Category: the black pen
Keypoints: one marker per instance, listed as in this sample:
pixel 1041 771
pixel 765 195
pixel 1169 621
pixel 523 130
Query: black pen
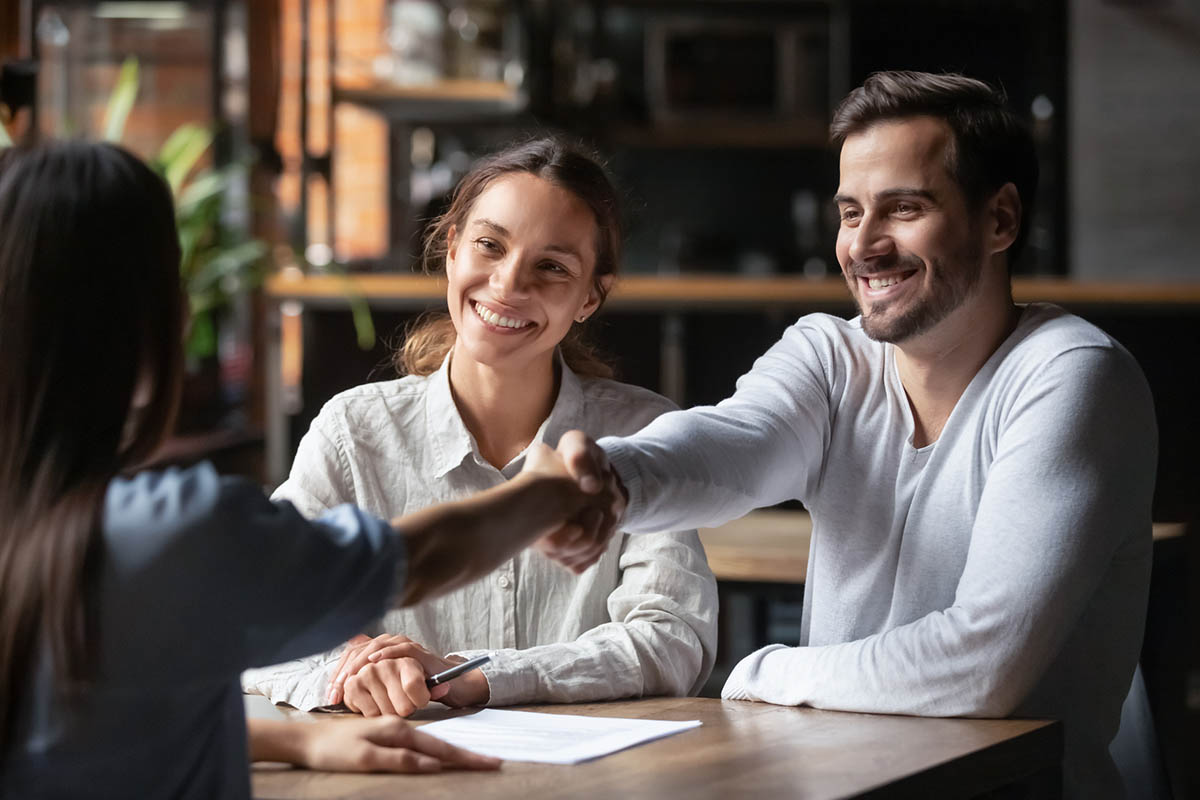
pixel 456 670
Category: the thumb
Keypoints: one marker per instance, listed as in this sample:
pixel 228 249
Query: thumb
pixel 439 691
pixel 583 459
pixel 542 459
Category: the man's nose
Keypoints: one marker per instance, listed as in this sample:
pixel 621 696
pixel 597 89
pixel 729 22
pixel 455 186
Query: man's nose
pixel 870 240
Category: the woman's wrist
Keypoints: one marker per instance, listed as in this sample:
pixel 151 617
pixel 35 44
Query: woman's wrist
pixel 276 740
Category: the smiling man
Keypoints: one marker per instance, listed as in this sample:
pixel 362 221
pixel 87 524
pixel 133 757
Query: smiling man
pixel 979 473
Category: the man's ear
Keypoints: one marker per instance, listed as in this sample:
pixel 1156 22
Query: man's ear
pixel 1004 218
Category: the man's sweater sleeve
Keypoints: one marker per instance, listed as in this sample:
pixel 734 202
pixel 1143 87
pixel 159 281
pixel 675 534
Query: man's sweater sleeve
pixel 710 464
pixel 1068 492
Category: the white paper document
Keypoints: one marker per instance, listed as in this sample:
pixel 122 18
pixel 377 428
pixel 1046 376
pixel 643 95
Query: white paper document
pixel 549 738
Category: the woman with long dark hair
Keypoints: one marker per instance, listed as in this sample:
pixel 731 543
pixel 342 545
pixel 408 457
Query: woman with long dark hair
pixel 530 247
pixel 130 603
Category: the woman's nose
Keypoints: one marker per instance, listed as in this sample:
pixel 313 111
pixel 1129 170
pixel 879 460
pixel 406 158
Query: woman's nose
pixel 509 278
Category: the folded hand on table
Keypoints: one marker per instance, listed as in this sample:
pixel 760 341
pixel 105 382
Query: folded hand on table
pixel 386 675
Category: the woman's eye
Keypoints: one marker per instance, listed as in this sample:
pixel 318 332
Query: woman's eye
pixel 487 245
pixel 555 269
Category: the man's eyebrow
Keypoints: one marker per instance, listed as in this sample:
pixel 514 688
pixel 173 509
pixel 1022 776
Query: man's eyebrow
pixel 907 191
pixel 888 194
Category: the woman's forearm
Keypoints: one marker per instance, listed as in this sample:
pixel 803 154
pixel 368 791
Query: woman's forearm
pixel 276 740
pixel 452 544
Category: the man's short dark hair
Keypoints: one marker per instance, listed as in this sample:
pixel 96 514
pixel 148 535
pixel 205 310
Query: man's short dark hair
pixel 992 146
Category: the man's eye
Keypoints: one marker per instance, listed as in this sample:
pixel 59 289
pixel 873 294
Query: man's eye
pixel 905 208
pixel 553 268
pixel 849 214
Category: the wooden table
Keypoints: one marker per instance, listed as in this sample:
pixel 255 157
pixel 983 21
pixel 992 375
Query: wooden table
pixel 766 546
pixel 742 750
pixel 771 546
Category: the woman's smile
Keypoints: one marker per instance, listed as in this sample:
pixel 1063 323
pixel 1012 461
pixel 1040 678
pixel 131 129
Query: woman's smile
pixel 504 322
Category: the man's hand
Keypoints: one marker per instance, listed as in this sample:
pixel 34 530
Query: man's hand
pixel 358 745
pixel 579 457
pixel 386 675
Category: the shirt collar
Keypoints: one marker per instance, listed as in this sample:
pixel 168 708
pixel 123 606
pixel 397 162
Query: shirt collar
pixel 567 412
pixel 450 440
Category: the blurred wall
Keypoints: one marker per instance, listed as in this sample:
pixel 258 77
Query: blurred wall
pixel 1134 141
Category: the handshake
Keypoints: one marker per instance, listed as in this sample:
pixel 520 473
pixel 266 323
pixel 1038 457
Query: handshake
pixel 566 503
pixel 594 488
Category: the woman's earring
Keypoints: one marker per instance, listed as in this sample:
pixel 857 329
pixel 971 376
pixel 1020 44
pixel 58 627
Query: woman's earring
pixel 581 318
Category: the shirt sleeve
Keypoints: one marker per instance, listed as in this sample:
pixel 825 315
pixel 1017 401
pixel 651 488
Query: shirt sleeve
pixel 319 480
pixel 301 683
pixel 711 464
pixel 1067 495
pixel 238 580
pixel 320 477
pixel 661 640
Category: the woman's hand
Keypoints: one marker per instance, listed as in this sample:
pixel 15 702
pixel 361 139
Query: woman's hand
pixel 358 745
pixel 386 675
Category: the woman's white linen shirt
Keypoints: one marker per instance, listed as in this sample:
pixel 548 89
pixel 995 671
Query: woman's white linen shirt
pixel 642 621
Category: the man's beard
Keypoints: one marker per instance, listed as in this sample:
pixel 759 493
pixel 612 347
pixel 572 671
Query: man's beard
pixel 953 282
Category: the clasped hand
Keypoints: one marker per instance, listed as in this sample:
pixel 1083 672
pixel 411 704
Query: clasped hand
pixel 580 543
pixel 386 675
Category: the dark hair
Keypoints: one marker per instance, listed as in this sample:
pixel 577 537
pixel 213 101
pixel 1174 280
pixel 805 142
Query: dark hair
pixel 567 166
pixel 90 301
pixel 992 146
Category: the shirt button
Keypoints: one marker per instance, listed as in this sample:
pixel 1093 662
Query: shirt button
pixel 504 581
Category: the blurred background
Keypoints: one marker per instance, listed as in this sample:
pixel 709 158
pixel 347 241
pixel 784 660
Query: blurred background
pixel 311 141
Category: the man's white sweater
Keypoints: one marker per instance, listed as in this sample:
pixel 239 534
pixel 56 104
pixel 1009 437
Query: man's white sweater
pixel 1000 571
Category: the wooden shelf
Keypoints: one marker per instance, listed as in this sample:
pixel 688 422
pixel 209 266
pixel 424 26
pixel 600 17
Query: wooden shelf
pixel 719 292
pixel 435 102
pixel 722 134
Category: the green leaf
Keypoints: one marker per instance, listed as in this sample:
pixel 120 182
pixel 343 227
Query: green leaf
pixel 180 153
pixel 120 102
pixel 204 187
pixel 239 262
pixel 202 336
pixel 360 310
pixel 364 325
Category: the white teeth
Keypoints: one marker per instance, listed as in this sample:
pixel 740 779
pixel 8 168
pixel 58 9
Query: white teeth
pixel 883 283
pixel 487 315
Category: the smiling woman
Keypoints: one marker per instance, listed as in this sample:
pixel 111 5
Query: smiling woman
pixel 582 240
pixel 530 247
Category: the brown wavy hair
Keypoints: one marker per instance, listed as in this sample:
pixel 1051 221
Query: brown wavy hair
pixel 565 165
pixel 89 303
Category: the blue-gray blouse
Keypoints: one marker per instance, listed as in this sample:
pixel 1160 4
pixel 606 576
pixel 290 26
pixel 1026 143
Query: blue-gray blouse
pixel 201 577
